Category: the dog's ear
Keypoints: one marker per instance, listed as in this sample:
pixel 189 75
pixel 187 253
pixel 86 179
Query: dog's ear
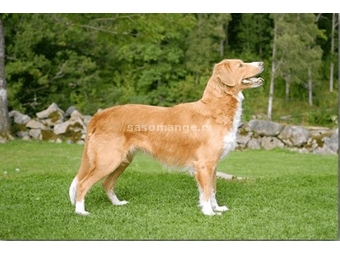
pixel 224 74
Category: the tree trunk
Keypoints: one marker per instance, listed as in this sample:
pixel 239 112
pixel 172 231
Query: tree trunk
pixel 332 54
pixel 338 103
pixel 221 48
pixel 4 118
pixel 287 91
pixel 287 81
pixel 310 87
pixel 226 39
pixel 331 77
pixel 272 77
pixel 339 83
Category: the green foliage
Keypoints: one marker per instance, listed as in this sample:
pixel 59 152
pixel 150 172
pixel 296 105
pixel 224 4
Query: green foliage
pixel 275 201
pixel 44 66
pixel 322 118
pixel 98 60
pixel 253 33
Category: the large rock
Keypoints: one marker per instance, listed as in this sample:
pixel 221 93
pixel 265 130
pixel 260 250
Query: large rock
pixel 72 129
pixel 19 118
pixel 294 136
pixel 57 119
pixel 62 127
pixel 269 143
pixel 254 144
pixel 35 133
pixel 265 128
pixel 243 138
pixel 75 115
pixel 36 125
pixel 69 111
pixel 52 112
pixel 330 144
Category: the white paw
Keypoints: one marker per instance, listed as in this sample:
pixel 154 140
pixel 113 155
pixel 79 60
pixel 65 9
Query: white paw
pixel 121 202
pixel 207 210
pixel 83 213
pixel 209 213
pixel 220 208
pixel 80 208
pixel 114 199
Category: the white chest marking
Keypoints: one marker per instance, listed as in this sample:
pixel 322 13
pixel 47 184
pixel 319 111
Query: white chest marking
pixel 229 140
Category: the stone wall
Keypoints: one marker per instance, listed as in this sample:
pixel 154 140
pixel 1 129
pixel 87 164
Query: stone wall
pixel 52 124
pixel 55 125
pixel 260 134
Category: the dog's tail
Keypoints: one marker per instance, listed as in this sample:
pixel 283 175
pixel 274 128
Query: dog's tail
pixel 73 190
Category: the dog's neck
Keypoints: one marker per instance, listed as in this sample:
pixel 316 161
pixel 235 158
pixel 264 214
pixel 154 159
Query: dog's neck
pixel 221 103
pixel 217 92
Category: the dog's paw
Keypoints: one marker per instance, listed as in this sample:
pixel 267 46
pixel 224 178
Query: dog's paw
pixel 82 213
pixel 206 208
pixel 80 208
pixel 220 208
pixel 121 202
pixel 114 199
pixel 208 211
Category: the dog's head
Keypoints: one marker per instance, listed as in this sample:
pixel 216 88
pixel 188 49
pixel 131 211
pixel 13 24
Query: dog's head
pixel 236 73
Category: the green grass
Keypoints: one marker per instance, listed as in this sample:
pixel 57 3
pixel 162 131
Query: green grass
pixel 287 196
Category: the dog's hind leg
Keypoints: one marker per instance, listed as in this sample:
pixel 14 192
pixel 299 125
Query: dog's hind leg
pixel 110 182
pixel 73 190
pixel 85 166
pixel 106 162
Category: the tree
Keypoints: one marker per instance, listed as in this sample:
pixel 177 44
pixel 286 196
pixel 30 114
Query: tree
pixel 274 68
pixel 296 57
pixel 331 75
pixel 311 53
pixel 152 63
pixel 4 118
pixel 49 61
pixel 204 44
pixel 254 34
pixel 339 65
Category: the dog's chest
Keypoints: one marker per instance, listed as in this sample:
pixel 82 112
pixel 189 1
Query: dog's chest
pixel 229 140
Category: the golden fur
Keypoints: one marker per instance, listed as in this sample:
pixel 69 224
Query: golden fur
pixel 194 135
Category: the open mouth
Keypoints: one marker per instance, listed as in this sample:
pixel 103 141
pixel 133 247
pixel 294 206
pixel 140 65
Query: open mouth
pixel 253 81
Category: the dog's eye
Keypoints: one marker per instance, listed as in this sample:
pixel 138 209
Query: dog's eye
pixel 241 65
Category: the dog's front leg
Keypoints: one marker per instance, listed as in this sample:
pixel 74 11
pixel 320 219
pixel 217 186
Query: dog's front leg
pixel 214 205
pixel 205 204
pixel 204 178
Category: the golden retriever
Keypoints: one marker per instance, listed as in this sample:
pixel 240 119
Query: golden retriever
pixel 195 135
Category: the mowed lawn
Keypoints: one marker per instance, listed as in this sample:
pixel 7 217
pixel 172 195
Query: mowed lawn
pixel 284 196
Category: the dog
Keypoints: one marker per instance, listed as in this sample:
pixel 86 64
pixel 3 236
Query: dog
pixel 195 135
